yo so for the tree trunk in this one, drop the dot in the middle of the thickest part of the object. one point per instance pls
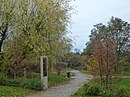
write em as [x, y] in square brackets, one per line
[3, 36]
[106, 82]
[58, 72]
[25, 73]
[15, 76]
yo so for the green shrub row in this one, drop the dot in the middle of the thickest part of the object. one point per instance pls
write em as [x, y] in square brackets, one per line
[94, 89]
[122, 92]
[34, 84]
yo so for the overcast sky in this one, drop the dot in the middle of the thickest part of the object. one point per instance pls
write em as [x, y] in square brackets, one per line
[91, 12]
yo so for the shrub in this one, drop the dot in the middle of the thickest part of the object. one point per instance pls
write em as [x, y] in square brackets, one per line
[94, 90]
[123, 92]
[33, 75]
[107, 93]
[85, 87]
[9, 82]
[33, 84]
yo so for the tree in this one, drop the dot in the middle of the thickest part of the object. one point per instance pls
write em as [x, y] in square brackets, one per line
[6, 19]
[104, 52]
[59, 66]
[73, 59]
[117, 30]
[39, 27]
[104, 56]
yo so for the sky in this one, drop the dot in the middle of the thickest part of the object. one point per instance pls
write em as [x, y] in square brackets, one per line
[91, 12]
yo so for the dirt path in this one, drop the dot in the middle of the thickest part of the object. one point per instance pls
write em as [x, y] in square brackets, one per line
[65, 90]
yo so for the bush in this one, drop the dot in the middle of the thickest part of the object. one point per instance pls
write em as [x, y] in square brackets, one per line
[107, 93]
[123, 92]
[85, 87]
[33, 75]
[120, 88]
[9, 82]
[94, 90]
[33, 84]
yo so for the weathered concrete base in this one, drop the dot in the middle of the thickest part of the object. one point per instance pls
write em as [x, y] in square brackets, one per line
[45, 84]
[44, 71]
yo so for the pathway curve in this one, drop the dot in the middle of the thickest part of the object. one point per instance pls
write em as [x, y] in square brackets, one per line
[65, 90]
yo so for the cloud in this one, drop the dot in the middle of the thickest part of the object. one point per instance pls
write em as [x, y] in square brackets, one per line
[91, 12]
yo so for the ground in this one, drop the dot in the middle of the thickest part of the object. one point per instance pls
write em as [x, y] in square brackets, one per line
[65, 90]
[7, 91]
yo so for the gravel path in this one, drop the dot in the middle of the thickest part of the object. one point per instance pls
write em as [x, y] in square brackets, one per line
[67, 89]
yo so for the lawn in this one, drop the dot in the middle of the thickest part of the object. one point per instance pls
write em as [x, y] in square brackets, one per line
[85, 72]
[6, 91]
[117, 85]
[55, 79]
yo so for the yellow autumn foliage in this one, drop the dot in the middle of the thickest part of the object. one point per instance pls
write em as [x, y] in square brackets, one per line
[93, 65]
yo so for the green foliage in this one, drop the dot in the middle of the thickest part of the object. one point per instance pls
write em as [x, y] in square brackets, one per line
[88, 90]
[73, 59]
[120, 88]
[107, 93]
[122, 83]
[94, 90]
[6, 91]
[85, 72]
[33, 75]
[123, 92]
[123, 69]
[33, 84]
[67, 69]
[85, 87]
[55, 79]
[79, 93]
[33, 27]
[115, 30]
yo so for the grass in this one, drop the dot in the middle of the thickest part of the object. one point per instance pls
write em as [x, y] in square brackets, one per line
[123, 73]
[55, 79]
[31, 83]
[6, 91]
[123, 70]
[117, 84]
[120, 83]
[81, 92]
[85, 72]
[10, 91]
